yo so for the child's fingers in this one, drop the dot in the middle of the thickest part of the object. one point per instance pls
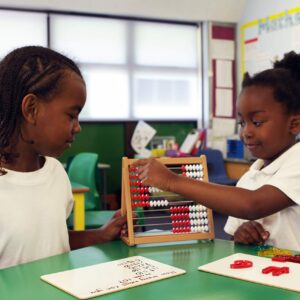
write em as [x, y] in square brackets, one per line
[143, 174]
[242, 235]
[140, 162]
[250, 233]
[264, 235]
[121, 220]
[117, 214]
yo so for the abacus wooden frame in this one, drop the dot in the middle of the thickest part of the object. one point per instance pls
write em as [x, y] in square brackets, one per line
[126, 208]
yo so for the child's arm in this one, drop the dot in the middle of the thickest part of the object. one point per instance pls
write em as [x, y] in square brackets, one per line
[251, 232]
[234, 201]
[107, 232]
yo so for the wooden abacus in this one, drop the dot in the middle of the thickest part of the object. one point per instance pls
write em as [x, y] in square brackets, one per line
[169, 216]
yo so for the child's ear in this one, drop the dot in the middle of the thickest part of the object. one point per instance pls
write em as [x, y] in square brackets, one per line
[30, 105]
[295, 124]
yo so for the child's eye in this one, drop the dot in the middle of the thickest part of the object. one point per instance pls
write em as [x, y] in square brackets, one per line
[257, 123]
[72, 115]
[241, 123]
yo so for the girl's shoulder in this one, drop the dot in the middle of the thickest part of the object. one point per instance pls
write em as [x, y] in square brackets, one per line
[53, 163]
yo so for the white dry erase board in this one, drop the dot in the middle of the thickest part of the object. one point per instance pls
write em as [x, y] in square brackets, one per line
[254, 274]
[265, 40]
[109, 277]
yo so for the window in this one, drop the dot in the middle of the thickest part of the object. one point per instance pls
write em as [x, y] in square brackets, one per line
[133, 69]
[19, 29]
[166, 84]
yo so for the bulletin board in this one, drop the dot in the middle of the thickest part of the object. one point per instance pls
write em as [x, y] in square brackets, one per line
[265, 40]
[223, 71]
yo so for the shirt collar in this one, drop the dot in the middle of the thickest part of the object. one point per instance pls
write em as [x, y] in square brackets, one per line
[273, 167]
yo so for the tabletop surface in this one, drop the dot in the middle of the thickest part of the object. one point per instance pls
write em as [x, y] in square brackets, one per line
[79, 188]
[23, 281]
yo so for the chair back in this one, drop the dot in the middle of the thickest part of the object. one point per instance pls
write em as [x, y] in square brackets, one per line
[216, 167]
[82, 169]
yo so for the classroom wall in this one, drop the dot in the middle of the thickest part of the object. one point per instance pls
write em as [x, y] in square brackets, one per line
[257, 9]
[188, 10]
[110, 141]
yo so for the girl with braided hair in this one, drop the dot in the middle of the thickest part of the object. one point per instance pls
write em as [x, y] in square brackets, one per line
[267, 197]
[41, 95]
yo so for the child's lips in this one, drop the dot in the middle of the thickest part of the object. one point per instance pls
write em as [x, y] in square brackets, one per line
[251, 146]
[69, 142]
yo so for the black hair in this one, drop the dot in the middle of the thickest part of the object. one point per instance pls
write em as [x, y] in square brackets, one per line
[284, 79]
[31, 69]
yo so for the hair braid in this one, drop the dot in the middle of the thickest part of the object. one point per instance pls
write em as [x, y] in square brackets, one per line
[31, 69]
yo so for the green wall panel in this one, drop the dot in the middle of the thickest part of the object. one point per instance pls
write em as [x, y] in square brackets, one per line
[108, 140]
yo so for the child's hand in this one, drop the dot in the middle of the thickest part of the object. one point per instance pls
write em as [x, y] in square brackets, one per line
[112, 229]
[152, 172]
[251, 232]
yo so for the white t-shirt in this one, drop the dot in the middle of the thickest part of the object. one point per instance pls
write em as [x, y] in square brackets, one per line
[34, 208]
[284, 174]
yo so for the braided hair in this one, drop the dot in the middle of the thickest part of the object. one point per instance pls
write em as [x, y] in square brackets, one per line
[30, 69]
[284, 79]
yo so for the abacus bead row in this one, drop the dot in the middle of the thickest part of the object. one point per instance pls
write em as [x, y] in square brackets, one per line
[197, 207]
[195, 174]
[192, 229]
[133, 176]
[179, 209]
[153, 189]
[132, 169]
[199, 228]
[197, 215]
[187, 208]
[140, 197]
[181, 223]
[194, 167]
[199, 222]
[151, 203]
[136, 183]
[180, 216]
[177, 216]
[139, 190]
[181, 229]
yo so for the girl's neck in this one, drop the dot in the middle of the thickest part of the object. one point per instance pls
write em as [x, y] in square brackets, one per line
[269, 161]
[21, 164]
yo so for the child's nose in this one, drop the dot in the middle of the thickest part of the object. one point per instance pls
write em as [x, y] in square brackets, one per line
[76, 127]
[247, 131]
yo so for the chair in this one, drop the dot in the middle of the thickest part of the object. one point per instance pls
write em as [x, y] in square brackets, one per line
[216, 167]
[82, 169]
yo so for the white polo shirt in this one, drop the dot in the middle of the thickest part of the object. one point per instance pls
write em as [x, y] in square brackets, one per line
[284, 174]
[34, 209]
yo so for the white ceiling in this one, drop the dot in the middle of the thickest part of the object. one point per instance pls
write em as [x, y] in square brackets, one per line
[184, 10]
